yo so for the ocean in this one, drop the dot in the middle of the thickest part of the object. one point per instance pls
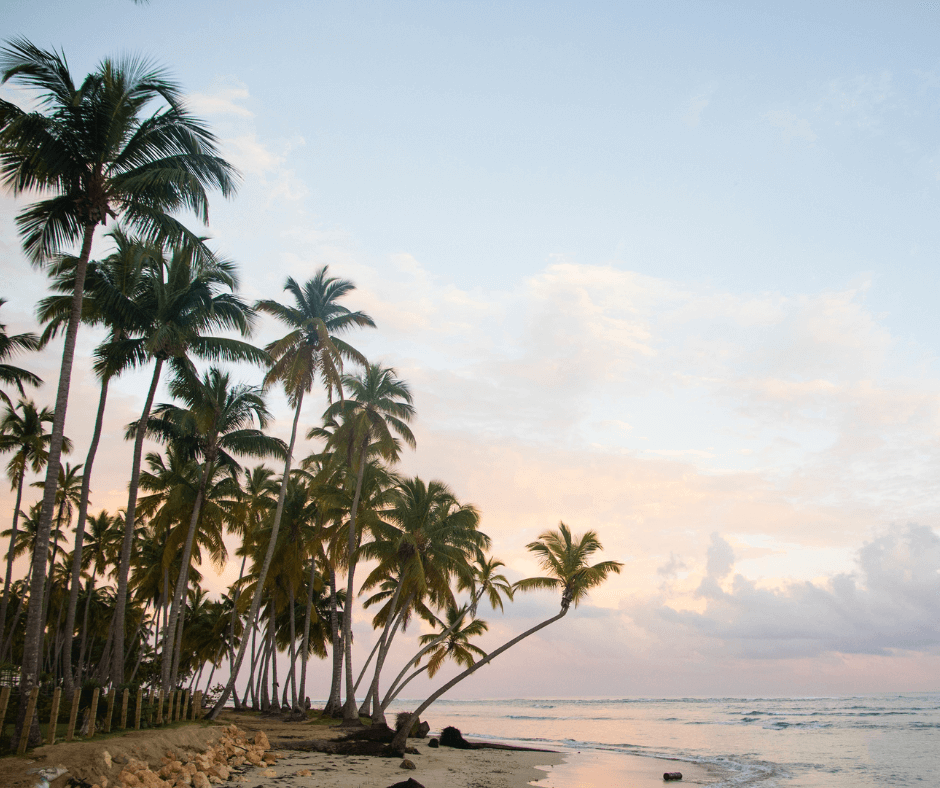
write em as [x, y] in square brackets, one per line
[890, 740]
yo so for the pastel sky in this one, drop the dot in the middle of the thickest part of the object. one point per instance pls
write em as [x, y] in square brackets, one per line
[663, 270]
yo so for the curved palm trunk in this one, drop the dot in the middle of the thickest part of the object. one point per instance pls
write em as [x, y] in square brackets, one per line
[171, 658]
[89, 589]
[291, 680]
[401, 737]
[32, 648]
[120, 602]
[350, 711]
[79, 542]
[378, 709]
[8, 580]
[47, 592]
[269, 554]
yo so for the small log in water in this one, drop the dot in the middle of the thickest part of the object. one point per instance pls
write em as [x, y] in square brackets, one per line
[671, 776]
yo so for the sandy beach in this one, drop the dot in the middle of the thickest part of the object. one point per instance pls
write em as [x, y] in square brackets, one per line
[99, 762]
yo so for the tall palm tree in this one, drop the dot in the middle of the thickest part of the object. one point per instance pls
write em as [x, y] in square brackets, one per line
[376, 408]
[112, 287]
[215, 423]
[23, 433]
[182, 304]
[100, 552]
[9, 345]
[92, 152]
[565, 559]
[312, 348]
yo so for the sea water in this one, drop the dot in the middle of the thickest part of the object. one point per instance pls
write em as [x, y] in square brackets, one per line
[861, 741]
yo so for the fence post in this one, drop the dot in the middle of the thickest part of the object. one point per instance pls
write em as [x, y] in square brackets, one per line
[160, 708]
[93, 712]
[197, 705]
[109, 711]
[4, 702]
[73, 714]
[185, 706]
[124, 709]
[140, 700]
[54, 715]
[28, 720]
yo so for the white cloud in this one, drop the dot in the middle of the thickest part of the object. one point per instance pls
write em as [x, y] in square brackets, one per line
[222, 102]
[791, 126]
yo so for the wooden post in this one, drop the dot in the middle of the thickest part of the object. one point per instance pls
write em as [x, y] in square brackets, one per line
[127, 695]
[93, 713]
[160, 708]
[4, 702]
[73, 715]
[197, 705]
[150, 703]
[28, 720]
[140, 702]
[109, 711]
[185, 706]
[54, 715]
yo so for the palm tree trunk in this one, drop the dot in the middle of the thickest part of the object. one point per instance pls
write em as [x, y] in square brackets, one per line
[124, 568]
[8, 643]
[89, 589]
[293, 654]
[32, 647]
[9, 575]
[272, 636]
[305, 643]
[269, 554]
[79, 541]
[182, 583]
[401, 737]
[350, 711]
[378, 710]
[55, 553]
[332, 708]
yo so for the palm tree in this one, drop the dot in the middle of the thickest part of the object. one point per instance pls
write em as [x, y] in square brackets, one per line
[97, 158]
[430, 538]
[565, 559]
[312, 348]
[22, 432]
[8, 373]
[215, 423]
[182, 303]
[104, 539]
[377, 406]
[112, 286]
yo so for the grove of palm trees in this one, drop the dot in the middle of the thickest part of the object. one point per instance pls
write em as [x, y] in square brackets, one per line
[118, 599]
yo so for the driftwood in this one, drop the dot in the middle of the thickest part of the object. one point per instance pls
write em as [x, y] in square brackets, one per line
[672, 776]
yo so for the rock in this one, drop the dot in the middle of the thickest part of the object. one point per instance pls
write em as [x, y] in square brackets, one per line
[261, 740]
[423, 730]
[411, 782]
[303, 772]
[269, 772]
[434, 743]
[406, 764]
[451, 737]
[201, 781]
[106, 757]
[671, 776]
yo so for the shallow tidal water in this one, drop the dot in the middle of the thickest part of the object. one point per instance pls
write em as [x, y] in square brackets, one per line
[835, 742]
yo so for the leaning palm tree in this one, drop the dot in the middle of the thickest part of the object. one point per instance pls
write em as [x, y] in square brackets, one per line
[10, 344]
[312, 348]
[93, 156]
[565, 560]
[215, 423]
[377, 407]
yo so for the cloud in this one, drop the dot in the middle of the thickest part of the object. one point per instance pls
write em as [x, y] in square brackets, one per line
[889, 603]
[222, 102]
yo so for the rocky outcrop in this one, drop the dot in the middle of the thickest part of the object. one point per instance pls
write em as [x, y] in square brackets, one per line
[219, 764]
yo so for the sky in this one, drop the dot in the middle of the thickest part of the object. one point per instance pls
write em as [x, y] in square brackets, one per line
[661, 270]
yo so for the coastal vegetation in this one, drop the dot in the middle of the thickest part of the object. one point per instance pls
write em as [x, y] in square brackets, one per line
[117, 599]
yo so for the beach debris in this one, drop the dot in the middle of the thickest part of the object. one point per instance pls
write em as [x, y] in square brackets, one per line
[406, 764]
[672, 776]
[452, 737]
[434, 743]
[411, 782]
